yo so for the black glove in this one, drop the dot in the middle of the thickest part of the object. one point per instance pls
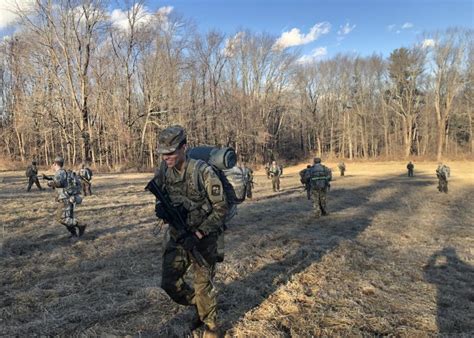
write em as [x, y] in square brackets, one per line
[160, 211]
[189, 242]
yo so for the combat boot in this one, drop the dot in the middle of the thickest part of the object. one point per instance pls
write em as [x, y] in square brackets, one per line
[212, 332]
[81, 228]
[73, 232]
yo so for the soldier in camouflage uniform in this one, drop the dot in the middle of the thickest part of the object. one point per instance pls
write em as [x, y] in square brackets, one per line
[410, 167]
[304, 180]
[319, 177]
[204, 207]
[342, 168]
[32, 174]
[443, 172]
[85, 175]
[275, 173]
[248, 174]
[65, 203]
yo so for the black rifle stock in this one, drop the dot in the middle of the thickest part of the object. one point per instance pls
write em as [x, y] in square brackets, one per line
[175, 220]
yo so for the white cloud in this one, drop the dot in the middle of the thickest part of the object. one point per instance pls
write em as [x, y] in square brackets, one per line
[8, 9]
[346, 29]
[428, 43]
[120, 19]
[391, 27]
[316, 54]
[407, 25]
[294, 37]
[232, 43]
[165, 11]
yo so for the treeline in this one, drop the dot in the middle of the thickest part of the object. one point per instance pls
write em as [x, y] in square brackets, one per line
[74, 82]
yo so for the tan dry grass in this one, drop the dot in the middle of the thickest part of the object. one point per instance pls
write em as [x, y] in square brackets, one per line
[394, 258]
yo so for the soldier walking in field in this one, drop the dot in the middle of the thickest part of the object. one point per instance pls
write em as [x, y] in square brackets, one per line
[275, 173]
[86, 176]
[319, 177]
[305, 181]
[443, 172]
[32, 174]
[248, 174]
[68, 187]
[202, 204]
[410, 167]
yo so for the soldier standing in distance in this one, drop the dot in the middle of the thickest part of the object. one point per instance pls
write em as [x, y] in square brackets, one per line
[275, 173]
[410, 167]
[204, 208]
[85, 175]
[32, 174]
[443, 172]
[319, 177]
[304, 180]
[248, 174]
[65, 203]
[342, 168]
[267, 170]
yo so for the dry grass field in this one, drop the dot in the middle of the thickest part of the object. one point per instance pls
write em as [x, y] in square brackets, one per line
[394, 257]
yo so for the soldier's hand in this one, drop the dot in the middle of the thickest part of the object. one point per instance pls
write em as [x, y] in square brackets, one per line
[189, 242]
[160, 211]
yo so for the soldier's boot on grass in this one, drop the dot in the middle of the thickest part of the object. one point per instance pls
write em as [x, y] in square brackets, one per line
[81, 229]
[72, 230]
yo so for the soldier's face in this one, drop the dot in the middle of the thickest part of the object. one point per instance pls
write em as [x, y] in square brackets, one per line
[176, 158]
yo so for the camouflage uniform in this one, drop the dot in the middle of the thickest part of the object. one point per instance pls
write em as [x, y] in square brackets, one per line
[410, 168]
[205, 208]
[275, 173]
[65, 203]
[85, 180]
[248, 174]
[342, 168]
[443, 172]
[319, 177]
[32, 174]
[304, 180]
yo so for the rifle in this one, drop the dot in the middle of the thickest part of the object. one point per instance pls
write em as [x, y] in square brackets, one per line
[176, 221]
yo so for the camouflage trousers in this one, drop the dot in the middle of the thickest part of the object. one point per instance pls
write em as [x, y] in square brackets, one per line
[410, 172]
[342, 171]
[86, 187]
[33, 180]
[319, 201]
[442, 185]
[276, 183]
[202, 294]
[65, 215]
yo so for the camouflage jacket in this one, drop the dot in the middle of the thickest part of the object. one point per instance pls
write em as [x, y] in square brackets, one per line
[202, 199]
[31, 171]
[275, 170]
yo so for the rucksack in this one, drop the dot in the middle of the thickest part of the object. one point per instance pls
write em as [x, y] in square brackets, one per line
[73, 184]
[319, 177]
[223, 161]
[29, 171]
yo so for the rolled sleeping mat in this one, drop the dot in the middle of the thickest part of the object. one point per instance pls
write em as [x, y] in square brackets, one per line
[221, 158]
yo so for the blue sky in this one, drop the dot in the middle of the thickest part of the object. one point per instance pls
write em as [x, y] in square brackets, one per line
[371, 20]
[316, 27]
